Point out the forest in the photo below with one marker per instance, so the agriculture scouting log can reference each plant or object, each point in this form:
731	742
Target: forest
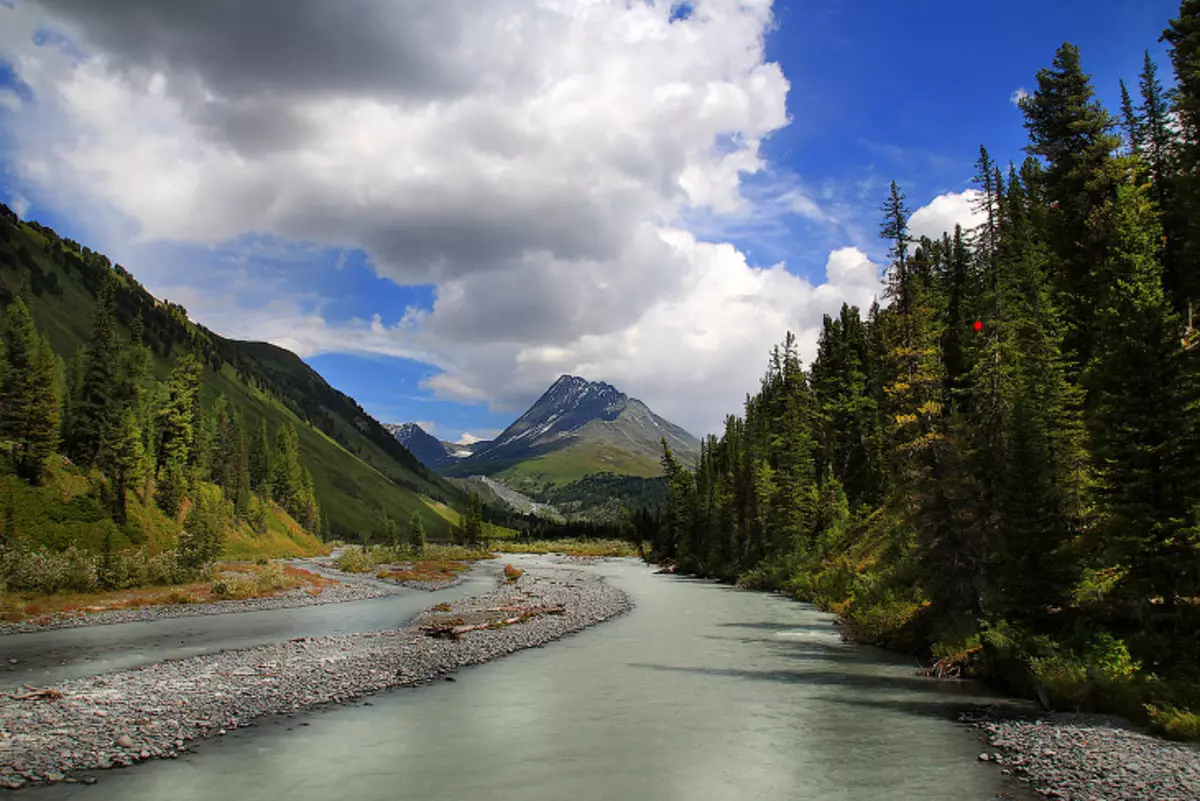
999	468
104	419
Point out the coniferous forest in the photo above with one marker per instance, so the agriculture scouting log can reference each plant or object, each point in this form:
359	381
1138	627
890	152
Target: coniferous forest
999	467
122	435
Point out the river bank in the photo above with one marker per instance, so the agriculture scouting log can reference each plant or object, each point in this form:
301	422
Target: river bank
118	719
348	587
1094	757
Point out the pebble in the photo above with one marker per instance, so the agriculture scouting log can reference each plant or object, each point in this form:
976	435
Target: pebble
183	700
1079	757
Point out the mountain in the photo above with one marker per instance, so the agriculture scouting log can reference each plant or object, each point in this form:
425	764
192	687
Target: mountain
356	464
575	429
431	451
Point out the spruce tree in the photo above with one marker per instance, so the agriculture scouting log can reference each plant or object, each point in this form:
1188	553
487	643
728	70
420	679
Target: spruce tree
259	459
1140	425
1183	37
1131	123
416	533
29	396
125	463
1071	130
95	412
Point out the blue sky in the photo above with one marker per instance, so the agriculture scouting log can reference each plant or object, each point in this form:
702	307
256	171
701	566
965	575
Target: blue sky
308	245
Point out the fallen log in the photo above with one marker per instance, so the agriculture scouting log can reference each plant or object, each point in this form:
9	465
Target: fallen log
453	632
37	694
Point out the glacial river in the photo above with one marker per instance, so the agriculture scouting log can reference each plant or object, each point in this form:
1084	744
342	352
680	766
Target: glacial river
702	692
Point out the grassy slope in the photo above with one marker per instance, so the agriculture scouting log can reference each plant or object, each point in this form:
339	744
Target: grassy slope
66	510
362	467
574	462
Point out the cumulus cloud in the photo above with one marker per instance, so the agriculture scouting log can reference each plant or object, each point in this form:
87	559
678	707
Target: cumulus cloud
532	160
19	204
942	213
467	438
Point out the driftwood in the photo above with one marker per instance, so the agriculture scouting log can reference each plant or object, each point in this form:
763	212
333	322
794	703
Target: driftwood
453	632
37	694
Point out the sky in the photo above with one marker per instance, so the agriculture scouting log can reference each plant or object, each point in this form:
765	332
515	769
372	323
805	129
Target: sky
443	205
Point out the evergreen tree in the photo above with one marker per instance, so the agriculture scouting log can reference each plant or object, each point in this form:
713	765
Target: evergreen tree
416	533
1183	37
125	463
1071	130
1141	393
95	412
29	400
259	459
287	474
1131	123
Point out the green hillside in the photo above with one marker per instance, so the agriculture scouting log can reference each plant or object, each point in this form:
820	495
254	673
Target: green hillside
357	467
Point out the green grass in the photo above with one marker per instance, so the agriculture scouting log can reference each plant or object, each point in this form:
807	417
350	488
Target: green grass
570	547
67	510
575	462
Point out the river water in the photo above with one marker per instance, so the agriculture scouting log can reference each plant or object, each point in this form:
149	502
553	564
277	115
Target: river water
49	657
702	692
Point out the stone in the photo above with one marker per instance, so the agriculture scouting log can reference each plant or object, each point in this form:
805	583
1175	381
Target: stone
125	741
984	757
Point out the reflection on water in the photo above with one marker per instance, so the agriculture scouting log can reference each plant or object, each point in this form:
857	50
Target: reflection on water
702	692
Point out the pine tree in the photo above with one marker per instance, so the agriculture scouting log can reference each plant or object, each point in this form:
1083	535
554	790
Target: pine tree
125	463
1183	36
1071	130
1141	396
95	412
259	457
416	533
287	474
1131	122
29	397
176	418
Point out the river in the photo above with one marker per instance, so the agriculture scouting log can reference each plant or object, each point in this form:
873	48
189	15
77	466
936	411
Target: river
48	657
702	692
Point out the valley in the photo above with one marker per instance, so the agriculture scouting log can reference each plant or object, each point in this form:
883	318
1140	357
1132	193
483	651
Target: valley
599	400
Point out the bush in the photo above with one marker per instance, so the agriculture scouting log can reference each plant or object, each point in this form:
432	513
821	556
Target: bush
1173	722
271	577
355	560
46	571
235	586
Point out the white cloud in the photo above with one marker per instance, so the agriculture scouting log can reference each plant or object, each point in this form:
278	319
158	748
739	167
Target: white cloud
19	204
1019	94
467	438
537	178
942	213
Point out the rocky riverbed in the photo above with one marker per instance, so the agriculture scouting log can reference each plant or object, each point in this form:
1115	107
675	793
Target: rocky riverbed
1090	758
67	732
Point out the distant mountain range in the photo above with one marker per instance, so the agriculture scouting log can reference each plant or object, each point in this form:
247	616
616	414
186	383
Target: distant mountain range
575	429
429	450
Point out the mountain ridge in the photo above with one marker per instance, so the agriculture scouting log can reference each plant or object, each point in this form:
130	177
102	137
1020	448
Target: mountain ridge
574	429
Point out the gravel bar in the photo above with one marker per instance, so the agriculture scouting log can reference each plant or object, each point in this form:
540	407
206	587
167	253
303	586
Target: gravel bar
348	590
1090	758
119	719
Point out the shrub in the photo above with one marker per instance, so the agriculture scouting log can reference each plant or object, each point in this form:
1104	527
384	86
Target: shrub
235	586
355	560
1173	722
271	577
